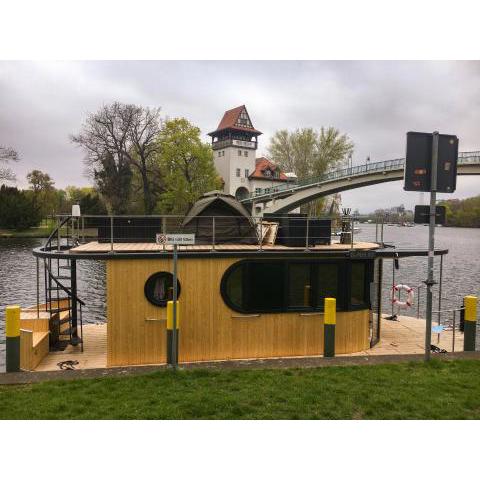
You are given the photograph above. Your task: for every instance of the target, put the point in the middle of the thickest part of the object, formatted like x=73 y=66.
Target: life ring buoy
x=410 y=296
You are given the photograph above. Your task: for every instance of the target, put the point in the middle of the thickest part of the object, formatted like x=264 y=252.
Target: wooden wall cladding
x=209 y=329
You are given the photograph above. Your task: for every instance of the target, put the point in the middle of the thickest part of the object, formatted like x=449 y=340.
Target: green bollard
x=12 y=337
x=330 y=320
x=470 y=329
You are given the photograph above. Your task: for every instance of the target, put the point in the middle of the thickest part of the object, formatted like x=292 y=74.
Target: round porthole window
x=159 y=288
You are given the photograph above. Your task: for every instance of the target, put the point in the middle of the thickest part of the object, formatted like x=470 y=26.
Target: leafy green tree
x=462 y=213
x=310 y=153
x=43 y=192
x=17 y=209
x=186 y=164
x=114 y=181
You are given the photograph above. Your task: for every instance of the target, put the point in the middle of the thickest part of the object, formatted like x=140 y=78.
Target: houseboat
x=248 y=288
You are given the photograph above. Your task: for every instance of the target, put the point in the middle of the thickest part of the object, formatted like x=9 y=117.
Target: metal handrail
x=63 y=287
x=464 y=158
x=56 y=230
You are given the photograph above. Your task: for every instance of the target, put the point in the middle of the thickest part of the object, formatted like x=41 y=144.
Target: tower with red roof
x=234 y=144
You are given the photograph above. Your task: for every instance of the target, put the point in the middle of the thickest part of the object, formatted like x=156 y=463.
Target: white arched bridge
x=284 y=198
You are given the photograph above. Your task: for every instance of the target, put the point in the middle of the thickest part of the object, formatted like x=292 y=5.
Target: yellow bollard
x=171 y=335
x=330 y=320
x=470 y=328
x=12 y=338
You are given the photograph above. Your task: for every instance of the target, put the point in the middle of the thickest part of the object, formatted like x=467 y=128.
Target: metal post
x=418 y=300
x=260 y=233
x=164 y=230
x=38 y=288
x=393 y=279
x=453 y=332
x=440 y=290
x=351 y=233
x=174 y=332
x=58 y=234
x=83 y=228
x=307 y=233
x=213 y=233
x=73 y=289
x=73 y=232
x=111 y=234
x=431 y=246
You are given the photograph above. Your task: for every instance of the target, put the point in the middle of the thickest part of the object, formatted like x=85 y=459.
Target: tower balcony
x=232 y=142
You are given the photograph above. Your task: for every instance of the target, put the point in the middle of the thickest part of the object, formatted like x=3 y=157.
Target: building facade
x=234 y=144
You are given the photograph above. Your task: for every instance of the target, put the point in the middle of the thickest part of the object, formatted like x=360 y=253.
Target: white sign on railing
x=175 y=238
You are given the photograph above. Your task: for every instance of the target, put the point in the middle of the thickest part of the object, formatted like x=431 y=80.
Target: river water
x=461 y=271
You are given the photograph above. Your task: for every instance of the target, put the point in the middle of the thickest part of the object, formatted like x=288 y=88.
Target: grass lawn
x=442 y=389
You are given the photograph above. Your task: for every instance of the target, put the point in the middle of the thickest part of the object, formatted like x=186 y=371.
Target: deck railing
x=214 y=231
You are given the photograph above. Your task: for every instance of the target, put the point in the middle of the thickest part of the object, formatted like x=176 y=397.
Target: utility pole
x=431 y=246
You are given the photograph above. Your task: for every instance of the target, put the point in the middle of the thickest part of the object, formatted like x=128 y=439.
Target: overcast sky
x=375 y=103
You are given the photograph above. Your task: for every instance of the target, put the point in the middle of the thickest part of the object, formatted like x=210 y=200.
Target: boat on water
x=247 y=288
x=338 y=233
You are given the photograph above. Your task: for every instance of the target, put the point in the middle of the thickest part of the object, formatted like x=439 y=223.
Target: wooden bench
x=34 y=338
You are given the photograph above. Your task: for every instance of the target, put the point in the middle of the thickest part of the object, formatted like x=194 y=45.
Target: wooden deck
x=93 y=356
x=405 y=336
x=95 y=247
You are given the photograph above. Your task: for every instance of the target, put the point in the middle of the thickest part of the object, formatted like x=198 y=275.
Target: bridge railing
x=464 y=158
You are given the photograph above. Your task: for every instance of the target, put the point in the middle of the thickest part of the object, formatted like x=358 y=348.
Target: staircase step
x=67 y=332
x=61 y=321
x=58 y=310
x=67 y=267
x=62 y=277
x=54 y=301
x=54 y=288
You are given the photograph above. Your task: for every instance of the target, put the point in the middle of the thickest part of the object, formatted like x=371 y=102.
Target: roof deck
x=96 y=247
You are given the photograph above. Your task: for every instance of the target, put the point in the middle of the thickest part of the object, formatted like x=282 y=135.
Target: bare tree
x=126 y=133
x=7 y=154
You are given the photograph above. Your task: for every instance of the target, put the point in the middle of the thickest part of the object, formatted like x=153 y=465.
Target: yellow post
x=170 y=336
x=330 y=320
x=470 y=328
x=12 y=338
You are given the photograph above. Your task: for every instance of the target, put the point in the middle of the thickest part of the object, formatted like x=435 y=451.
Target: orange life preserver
x=410 y=296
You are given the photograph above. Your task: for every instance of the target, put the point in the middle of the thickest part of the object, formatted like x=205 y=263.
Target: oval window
x=159 y=288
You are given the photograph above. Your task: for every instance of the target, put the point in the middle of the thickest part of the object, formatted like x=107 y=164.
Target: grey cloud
x=375 y=103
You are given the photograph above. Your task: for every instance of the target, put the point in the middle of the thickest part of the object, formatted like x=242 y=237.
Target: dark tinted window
x=159 y=288
x=327 y=280
x=265 y=283
x=291 y=285
x=234 y=287
x=299 y=285
x=357 y=284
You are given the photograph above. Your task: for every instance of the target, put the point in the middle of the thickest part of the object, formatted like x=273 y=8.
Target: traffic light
x=418 y=163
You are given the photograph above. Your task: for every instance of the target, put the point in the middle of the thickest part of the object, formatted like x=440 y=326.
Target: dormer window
x=267 y=172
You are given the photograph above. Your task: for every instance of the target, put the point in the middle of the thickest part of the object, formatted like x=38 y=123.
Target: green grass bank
x=439 y=390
